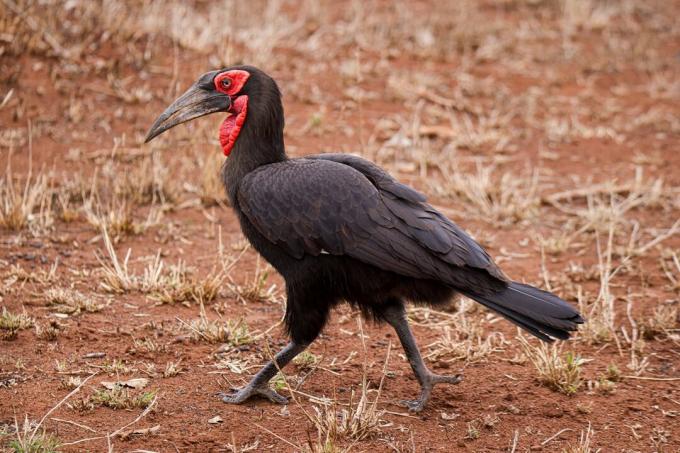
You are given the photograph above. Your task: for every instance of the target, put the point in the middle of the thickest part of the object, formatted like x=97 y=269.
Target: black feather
x=340 y=228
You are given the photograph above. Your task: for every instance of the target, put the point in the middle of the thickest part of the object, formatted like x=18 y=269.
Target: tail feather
x=539 y=312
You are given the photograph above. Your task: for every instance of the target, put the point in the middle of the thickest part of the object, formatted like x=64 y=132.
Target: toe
x=414 y=406
x=238 y=396
x=273 y=396
x=437 y=379
x=231 y=398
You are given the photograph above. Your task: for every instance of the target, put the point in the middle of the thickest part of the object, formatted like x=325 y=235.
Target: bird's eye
x=226 y=82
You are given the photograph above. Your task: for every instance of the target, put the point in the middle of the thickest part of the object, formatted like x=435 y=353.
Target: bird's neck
x=255 y=146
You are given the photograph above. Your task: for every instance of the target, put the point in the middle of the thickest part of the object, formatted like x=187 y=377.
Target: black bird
x=339 y=228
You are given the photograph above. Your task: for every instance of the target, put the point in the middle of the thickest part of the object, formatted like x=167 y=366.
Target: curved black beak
x=198 y=101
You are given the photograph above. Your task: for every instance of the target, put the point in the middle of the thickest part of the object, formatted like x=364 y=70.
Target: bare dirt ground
x=549 y=129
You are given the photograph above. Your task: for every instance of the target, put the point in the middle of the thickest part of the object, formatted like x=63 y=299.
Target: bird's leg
x=259 y=385
x=396 y=317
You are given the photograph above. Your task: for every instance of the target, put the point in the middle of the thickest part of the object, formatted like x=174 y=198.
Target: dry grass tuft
x=470 y=344
x=464 y=336
x=360 y=420
x=177 y=284
x=583 y=446
x=47 y=332
x=660 y=324
x=121 y=398
x=32 y=439
x=503 y=200
x=12 y=323
x=29 y=206
x=670 y=263
x=601 y=314
x=560 y=373
x=255 y=289
x=181 y=284
x=70 y=302
x=172 y=369
x=234 y=333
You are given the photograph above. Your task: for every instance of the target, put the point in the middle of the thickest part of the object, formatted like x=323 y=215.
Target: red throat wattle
x=232 y=125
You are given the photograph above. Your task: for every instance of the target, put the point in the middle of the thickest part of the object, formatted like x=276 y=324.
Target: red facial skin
x=231 y=83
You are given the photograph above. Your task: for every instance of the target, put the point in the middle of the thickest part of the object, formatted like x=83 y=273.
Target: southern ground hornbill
x=339 y=228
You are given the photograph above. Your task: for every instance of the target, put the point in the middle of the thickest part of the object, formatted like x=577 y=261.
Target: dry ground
x=548 y=128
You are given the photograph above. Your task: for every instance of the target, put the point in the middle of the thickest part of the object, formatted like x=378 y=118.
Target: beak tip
x=194 y=103
x=155 y=130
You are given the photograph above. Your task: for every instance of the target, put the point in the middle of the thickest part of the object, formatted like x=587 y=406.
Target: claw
x=439 y=379
x=413 y=406
x=245 y=393
x=418 y=405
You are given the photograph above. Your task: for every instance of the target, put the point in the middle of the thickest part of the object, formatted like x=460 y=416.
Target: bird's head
x=246 y=93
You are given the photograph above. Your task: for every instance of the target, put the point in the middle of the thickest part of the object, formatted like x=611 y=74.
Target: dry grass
x=334 y=422
x=29 y=439
x=359 y=420
x=176 y=284
x=117 y=220
x=584 y=443
x=558 y=372
x=503 y=200
x=209 y=188
x=663 y=320
x=172 y=369
x=465 y=338
x=233 y=333
x=121 y=398
x=70 y=302
x=32 y=436
x=114 y=367
x=601 y=313
x=11 y=323
x=180 y=284
x=255 y=289
x=48 y=332
x=670 y=263
x=29 y=206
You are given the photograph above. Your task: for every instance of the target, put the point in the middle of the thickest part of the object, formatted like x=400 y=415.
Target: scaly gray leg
x=259 y=385
x=396 y=316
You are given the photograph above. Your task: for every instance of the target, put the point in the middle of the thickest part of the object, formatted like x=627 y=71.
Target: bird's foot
x=245 y=393
x=418 y=405
x=414 y=406
x=441 y=379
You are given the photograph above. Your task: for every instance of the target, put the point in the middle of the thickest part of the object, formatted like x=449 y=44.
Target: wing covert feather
x=345 y=205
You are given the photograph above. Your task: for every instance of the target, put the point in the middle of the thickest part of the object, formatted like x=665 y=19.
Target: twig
x=401 y=414
x=115 y=433
x=7 y=97
x=73 y=392
x=660 y=238
x=146 y=411
x=652 y=378
x=297 y=447
x=514 y=441
x=73 y=423
x=555 y=435
x=606 y=188
x=205 y=337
